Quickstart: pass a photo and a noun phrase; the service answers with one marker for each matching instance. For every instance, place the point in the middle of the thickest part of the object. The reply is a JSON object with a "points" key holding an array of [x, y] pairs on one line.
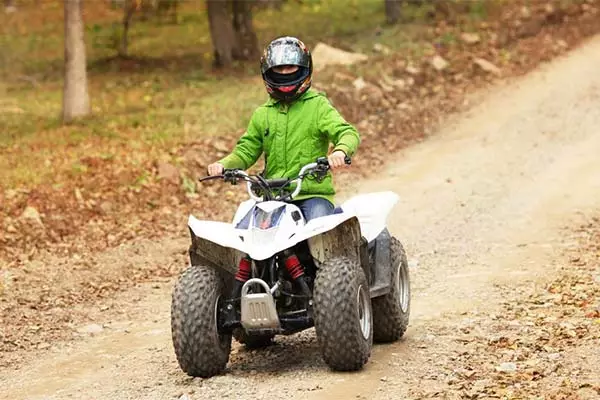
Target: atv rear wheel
{"points": [[391, 312], [200, 349], [343, 314], [252, 341]]}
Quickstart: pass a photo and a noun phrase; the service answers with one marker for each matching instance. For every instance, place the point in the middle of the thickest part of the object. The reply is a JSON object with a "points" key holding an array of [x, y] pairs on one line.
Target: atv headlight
{"points": [[266, 220]]}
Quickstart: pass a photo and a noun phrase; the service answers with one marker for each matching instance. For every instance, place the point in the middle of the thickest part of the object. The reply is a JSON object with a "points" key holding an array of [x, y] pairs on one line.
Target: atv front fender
{"points": [[346, 240], [343, 240], [205, 252]]}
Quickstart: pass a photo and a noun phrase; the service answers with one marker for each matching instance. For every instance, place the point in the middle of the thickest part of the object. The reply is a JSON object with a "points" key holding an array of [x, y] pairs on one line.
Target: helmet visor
{"points": [[284, 53]]}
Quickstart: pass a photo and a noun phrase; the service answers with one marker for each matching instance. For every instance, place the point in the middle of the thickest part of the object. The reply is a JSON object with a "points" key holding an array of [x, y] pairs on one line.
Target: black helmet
{"points": [[286, 51]]}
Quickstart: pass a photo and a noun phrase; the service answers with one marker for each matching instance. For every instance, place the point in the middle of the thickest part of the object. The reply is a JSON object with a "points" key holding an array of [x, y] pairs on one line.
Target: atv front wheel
{"points": [[343, 314], [200, 349], [391, 311]]}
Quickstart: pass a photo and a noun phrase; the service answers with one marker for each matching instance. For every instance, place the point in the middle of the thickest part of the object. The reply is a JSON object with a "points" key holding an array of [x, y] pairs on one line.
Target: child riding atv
{"points": [[290, 260], [293, 128]]}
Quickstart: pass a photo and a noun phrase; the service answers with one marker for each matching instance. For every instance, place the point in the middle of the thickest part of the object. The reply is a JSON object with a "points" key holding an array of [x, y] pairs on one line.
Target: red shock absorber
{"points": [[244, 270], [293, 266]]}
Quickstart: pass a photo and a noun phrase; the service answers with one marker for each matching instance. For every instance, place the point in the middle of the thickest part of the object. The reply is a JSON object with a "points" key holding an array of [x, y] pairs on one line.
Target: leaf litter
{"points": [[117, 196]]}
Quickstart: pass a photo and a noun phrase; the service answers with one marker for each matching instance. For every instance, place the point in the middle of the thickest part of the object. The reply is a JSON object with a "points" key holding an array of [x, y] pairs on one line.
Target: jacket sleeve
{"points": [[248, 149], [342, 134]]}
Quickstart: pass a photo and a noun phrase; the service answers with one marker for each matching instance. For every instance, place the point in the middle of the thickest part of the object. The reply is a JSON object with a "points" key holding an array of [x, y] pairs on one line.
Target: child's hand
{"points": [[337, 159], [215, 169]]}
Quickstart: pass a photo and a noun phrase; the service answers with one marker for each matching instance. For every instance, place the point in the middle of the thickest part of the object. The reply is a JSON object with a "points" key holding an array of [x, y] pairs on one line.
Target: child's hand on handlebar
{"points": [[215, 169], [337, 159]]}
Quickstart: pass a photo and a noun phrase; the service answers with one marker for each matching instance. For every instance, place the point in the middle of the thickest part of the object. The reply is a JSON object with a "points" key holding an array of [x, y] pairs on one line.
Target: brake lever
{"points": [[320, 172], [208, 178]]}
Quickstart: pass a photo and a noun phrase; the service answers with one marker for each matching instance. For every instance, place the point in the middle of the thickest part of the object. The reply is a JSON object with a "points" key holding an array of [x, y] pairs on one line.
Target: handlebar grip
{"points": [[325, 160]]}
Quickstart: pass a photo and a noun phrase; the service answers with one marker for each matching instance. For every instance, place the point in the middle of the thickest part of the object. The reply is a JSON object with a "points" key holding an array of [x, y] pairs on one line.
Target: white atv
{"points": [[276, 274]]}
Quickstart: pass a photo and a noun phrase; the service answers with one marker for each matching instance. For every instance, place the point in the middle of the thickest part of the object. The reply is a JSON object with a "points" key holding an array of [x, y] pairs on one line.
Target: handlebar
{"points": [[318, 169], [232, 176]]}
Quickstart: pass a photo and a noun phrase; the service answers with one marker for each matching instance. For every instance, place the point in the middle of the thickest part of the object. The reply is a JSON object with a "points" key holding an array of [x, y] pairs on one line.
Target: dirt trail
{"points": [[482, 203]]}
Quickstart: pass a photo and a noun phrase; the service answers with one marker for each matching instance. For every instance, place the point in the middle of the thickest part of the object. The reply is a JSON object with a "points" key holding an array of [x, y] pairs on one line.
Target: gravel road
{"points": [[482, 203]]}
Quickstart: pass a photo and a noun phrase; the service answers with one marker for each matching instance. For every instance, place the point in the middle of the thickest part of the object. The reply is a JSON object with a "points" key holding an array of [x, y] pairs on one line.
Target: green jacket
{"points": [[293, 135]]}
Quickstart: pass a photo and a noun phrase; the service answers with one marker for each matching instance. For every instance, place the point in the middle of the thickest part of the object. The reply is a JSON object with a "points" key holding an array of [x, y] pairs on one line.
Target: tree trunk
{"points": [[247, 43], [392, 10], [221, 32], [76, 100], [129, 8]]}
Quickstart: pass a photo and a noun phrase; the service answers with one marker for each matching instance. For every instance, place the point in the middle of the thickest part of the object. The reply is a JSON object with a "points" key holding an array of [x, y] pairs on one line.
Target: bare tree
{"points": [[129, 8], [247, 43], [76, 100], [392, 10], [232, 31], [221, 32]]}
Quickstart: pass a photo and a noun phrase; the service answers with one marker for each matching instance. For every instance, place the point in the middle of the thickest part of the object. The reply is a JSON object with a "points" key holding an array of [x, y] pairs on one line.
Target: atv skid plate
{"points": [[258, 309]]}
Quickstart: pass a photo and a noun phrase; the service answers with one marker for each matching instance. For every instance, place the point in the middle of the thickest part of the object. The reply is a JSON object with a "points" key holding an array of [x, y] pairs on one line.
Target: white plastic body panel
{"points": [[370, 209]]}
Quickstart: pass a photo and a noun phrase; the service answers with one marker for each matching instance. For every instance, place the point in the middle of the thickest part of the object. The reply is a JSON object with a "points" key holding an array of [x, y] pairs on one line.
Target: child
{"points": [[293, 128]]}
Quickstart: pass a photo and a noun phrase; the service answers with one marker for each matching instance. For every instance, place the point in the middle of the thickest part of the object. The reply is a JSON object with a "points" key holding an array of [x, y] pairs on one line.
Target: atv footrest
{"points": [[258, 309], [379, 290]]}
